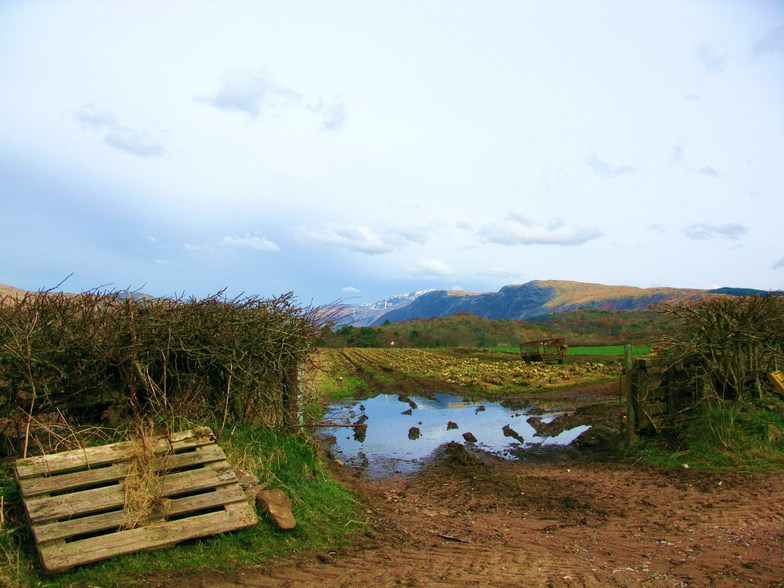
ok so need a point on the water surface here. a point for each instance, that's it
(400, 432)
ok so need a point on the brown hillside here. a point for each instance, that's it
(11, 291)
(569, 294)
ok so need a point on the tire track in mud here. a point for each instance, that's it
(471, 522)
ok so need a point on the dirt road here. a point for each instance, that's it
(478, 521)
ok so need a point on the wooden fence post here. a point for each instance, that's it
(291, 397)
(631, 417)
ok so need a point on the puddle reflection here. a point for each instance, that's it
(396, 433)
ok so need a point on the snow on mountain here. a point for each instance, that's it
(363, 315)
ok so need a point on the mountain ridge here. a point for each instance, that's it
(542, 297)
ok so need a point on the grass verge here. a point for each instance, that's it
(327, 517)
(723, 436)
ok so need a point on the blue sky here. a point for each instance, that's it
(355, 150)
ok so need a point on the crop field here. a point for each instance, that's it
(472, 370)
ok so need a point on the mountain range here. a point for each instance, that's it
(525, 301)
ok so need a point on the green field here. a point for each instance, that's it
(609, 350)
(604, 350)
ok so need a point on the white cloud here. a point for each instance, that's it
(677, 153)
(431, 267)
(770, 42)
(709, 231)
(365, 239)
(412, 234)
(333, 114)
(351, 237)
(606, 170)
(192, 247)
(712, 56)
(255, 242)
(499, 272)
(708, 171)
(351, 290)
(250, 92)
(518, 230)
(779, 264)
(160, 261)
(95, 119)
(132, 141)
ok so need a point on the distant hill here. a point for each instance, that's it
(19, 293)
(579, 327)
(739, 291)
(537, 298)
(11, 291)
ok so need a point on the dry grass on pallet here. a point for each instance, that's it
(143, 501)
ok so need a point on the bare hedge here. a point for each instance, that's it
(727, 345)
(98, 357)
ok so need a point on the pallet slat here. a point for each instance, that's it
(115, 519)
(77, 514)
(58, 483)
(46, 508)
(63, 556)
(77, 459)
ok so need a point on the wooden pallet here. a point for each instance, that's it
(75, 499)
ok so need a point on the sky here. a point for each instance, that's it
(353, 150)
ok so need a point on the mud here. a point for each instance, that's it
(578, 518)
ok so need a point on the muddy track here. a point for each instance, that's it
(479, 521)
(576, 518)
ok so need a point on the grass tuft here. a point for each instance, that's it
(722, 436)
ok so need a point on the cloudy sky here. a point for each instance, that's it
(355, 150)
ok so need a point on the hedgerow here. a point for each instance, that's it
(99, 357)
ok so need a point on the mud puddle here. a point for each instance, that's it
(396, 433)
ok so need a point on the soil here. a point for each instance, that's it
(579, 519)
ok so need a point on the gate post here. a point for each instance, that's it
(631, 400)
(291, 397)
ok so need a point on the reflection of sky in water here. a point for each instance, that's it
(387, 447)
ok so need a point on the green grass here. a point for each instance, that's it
(610, 350)
(347, 387)
(326, 516)
(724, 436)
(603, 350)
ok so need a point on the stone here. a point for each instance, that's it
(414, 433)
(451, 425)
(510, 432)
(360, 432)
(276, 504)
(469, 437)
